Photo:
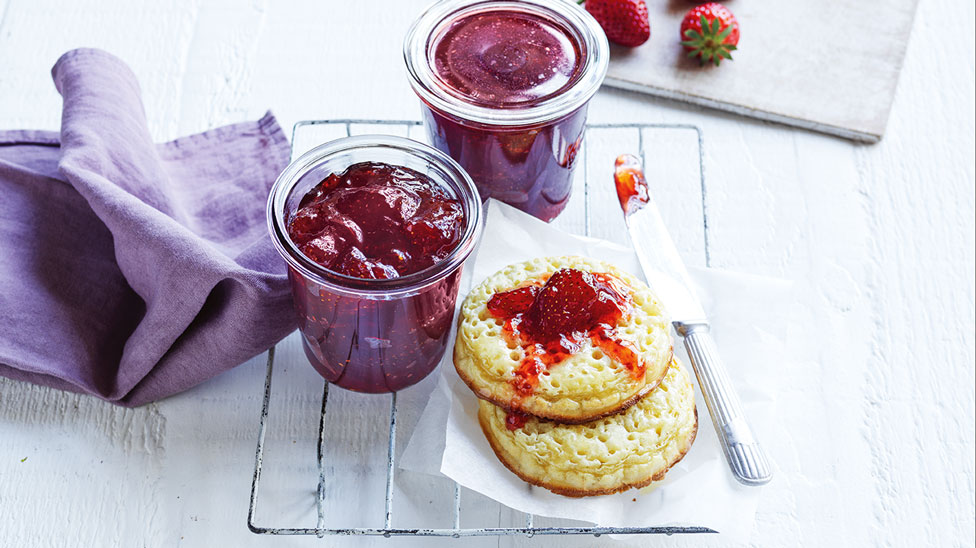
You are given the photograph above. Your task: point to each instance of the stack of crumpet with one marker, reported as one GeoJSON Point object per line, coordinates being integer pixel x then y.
{"type": "Point", "coordinates": [580, 390]}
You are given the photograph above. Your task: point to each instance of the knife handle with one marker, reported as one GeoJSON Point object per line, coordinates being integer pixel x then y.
{"type": "Point", "coordinates": [745, 456]}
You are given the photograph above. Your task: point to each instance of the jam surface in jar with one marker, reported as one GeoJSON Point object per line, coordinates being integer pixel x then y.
{"type": "Point", "coordinates": [552, 321]}
{"type": "Point", "coordinates": [505, 58]}
{"type": "Point", "coordinates": [376, 221]}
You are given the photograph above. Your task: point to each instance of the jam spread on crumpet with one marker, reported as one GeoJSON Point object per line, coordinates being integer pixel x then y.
{"type": "Point", "coordinates": [552, 321]}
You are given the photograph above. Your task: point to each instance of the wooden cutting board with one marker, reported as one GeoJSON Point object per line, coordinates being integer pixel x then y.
{"type": "Point", "coordinates": [830, 66]}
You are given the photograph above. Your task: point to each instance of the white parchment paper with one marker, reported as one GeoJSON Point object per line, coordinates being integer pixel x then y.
{"type": "Point", "coordinates": [747, 315]}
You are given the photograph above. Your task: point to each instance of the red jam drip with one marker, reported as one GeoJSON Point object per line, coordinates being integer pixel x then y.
{"type": "Point", "coordinates": [506, 58]}
{"type": "Point", "coordinates": [515, 420]}
{"type": "Point", "coordinates": [630, 182]}
{"type": "Point", "coordinates": [552, 322]}
{"type": "Point", "coordinates": [376, 221]}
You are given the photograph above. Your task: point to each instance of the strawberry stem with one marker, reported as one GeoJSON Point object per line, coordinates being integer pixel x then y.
{"type": "Point", "coordinates": [708, 45]}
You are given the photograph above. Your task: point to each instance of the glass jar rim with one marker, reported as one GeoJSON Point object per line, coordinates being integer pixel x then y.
{"type": "Point", "coordinates": [425, 82]}
{"type": "Point", "coordinates": [376, 288]}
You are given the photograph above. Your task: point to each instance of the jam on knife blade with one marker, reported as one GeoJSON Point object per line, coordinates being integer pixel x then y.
{"type": "Point", "coordinates": [630, 182]}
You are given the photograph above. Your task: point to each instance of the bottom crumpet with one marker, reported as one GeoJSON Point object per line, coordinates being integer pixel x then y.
{"type": "Point", "coordinates": [623, 451]}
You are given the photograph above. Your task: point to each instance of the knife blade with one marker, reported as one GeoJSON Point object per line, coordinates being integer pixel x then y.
{"type": "Point", "coordinates": [668, 277]}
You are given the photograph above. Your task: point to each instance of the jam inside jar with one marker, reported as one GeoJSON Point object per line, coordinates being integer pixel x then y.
{"type": "Point", "coordinates": [530, 168]}
{"type": "Point", "coordinates": [504, 88]}
{"type": "Point", "coordinates": [373, 276]}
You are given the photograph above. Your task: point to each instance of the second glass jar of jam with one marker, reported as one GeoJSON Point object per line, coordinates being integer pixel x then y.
{"type": "Point", "coordinates": [504, 87]}
{"type": "Point", "coordinates": [375, 231]}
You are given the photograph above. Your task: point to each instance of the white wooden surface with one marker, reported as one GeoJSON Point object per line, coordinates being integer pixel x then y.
{"type": "Point", "coordinates": [876, 408]}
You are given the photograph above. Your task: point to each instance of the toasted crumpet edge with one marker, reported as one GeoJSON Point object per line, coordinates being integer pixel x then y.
{"type": "Point", "coordinates": [505, 403]}
{"type": "Point", "coordinates": [580, 493]}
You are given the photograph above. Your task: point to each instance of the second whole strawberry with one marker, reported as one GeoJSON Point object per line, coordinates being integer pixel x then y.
{"type": "Point", "coordinates": [625, 22]}
{"type": "Point", "coordinates": [710, 33]}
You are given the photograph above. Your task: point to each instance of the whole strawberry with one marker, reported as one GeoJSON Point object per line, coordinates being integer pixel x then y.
{"type": "Point", "coordinates": [710, 32]}
{"type": "Point", "coordinates": [572, 302]}
{"type": "Point", "coordinates": [624, 21]}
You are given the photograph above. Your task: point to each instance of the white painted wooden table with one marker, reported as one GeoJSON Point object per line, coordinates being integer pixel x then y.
{"type": "Point", "coordinates": [877, 404]}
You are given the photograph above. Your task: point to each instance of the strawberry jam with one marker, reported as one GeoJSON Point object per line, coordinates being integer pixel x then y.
{"type": "Point", "coordinates": [510, 59]}
{"type": "Point", "coordinates": [506, 58]}
{"type": "Point", "coordinates": [553, 321]}
{"type": "Point", "coordinates": [376, 221]}
{"type": "Point", "coordinates": [530, 168]}
{"type": "Point", "coordinates": [504, 89]}
{"type": "Point", "coordinates": [515, 420]}
{"type": "Point", "coordinates": [375, 231]}
{"type": "Point", "coordinates": [630, 182]}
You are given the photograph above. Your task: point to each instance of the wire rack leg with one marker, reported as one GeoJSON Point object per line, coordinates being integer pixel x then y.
{"type": "Point", "coordinates": [390, 464]}
{"type": "Point", "coordinates": [457, 509]}
{"type": "Point", "coordinates": [259, 452]}
{"type": "Point", "coordinates": [320, 498]}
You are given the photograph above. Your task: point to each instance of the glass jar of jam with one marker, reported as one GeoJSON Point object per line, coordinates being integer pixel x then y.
{"type": "Point", "coordinates": [375, 231]}
{"type": "Point", "coordinates": [504, 87]}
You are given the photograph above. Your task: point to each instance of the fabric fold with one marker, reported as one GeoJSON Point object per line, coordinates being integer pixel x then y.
{"type": "Point", "coordinates": [154, 260]}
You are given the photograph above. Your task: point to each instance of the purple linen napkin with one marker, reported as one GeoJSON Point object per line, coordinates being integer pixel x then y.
{"type": "Point", "coordinates": [129, 270]}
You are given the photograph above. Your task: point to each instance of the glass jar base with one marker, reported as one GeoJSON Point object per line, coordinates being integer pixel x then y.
{"type": "Point", "coordinates": [356, 380]}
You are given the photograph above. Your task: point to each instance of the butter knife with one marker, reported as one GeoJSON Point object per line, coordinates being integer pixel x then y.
{"type": "Point", "coordinates": [667, 275]}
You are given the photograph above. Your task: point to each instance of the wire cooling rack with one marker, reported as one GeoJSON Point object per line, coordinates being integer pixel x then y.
{"type": "Point", "coordinates": [322, 526]}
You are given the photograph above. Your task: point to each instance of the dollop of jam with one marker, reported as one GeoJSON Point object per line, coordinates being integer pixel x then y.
{"type": "Point", "coordinates": [506, 58]}
{"type": "Point", "coordinates": [552, 321]}
{"type": "Point", "coordinates": [376, 221]}
{"type": "Point", "coordinates": [630, 182]}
